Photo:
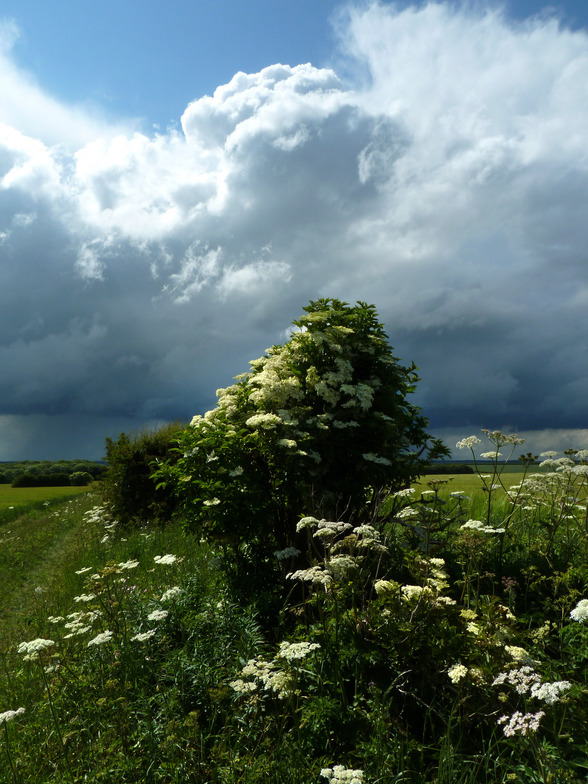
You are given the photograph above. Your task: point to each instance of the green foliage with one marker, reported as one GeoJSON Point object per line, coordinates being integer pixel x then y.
{"type": "Point", "coordinates": [80, 478]}
{"type": "Point", "coordinates": [320, 425]}
{"type": "Point", "coordinates": [35, 479]}
{"type": "Point", "coordinates": [403, 654]}
{"type": "Point", "coordinates": [127, 486]}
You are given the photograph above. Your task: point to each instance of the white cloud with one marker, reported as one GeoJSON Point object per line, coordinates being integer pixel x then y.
{"type": "Point", "coordinates": [450, 188]}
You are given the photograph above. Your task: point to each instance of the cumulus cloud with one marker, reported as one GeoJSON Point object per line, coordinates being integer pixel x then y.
{"type": "Point", "coordinates": [445, 179]}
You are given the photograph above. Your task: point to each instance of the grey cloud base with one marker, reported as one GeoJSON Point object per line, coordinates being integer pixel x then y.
{"type": "Point", "coordinates": [138, 274]}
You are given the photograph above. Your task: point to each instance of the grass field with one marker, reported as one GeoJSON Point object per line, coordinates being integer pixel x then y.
{"type": "Point", "coordinates": [23, 496]}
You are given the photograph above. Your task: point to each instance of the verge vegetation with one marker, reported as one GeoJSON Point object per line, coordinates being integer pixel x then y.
{"type": "Point", "coordinates": [419, 632]}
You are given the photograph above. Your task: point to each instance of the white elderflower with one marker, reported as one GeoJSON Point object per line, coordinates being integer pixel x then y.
{"type": "Point", "coordinates": [580, 611]}
{"type": "Point", "coordinates": [212, 502]}
{"type": "Point", "coordinates": [165, 560]}
{"type": "Point", "coordinates": [289, 443]}
{"type": "Point", "coordinates": [264, 421]}
{"type": "Point", "coordinates": [468, 443]}
{"type": "Point", "coordinates": [518, 654]}
{"type": "Point", "coordinates": [405, 492]}
{"type": "Point", "coordinates": [100, 639]}
{"type": "Point", "coordinates": [243, 687]}
{"type": "Point", "coordinates": [306, 522]}
{"type": "Point", "coordinates": [382, 587]}
{"type": "Point", "coordinates": [457, 673]}
{"type": "Point", "coordinates": [143, 636]}
{"type": "Point", "coordinates": [314, 575]}
{"type": "Point", "coordinates": [84, 597]}
{"type": "Point", "coordinates": [171, 593]}
{"type": "Point", "coordinates": [34, 647]}
{"type": "Point", "coordinates": [549, 692]}
{"type": "Point", "coordinates": [339, 774]}
{"type": "Point", "coordinates": [9, 715]}
{"type": "Point", "coordinates": [129, 565]}
{"type": "Point", "coordinates": [296, 650]}
{"type": "Point", "coordinates": [236, 471]}
{"type": "Point", "coordinates": [521, 724]}
{"type": "Point", "coordinates": [157, 615]}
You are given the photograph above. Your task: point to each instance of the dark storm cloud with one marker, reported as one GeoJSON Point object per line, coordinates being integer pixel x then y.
{"type": "Point", "coordinates": [139, 273]}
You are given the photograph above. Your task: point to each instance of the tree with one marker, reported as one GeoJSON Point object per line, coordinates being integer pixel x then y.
{"type": "Point", "coordinates": [318, 426]}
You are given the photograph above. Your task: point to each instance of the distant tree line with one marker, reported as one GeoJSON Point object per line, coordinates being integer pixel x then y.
{"type": "Point", "coordinates": [48, 473]}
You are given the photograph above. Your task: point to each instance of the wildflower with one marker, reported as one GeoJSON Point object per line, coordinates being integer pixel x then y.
{"type": "Point", "coordinates": [339, 774]}
{"type": "Point", "coordinates": [410, 592]}
{"type": "Point", "coordinates": [490, 455]}
{"type": "Point", "coordinates": [265, 421]}
{"type": "Point", "coordinates": [171, 593]}
{"type": "Point", "coordinates": [9, 715]}
{"type": "Point", "coordinates": [101, 638]}
{"type": "Point", "coordinates": [580, 611]}
{"type": "Point", "coordinates": [296, 650]}
{"type": "Point", "coordinates": [519, 723]}
{"type": "Point", "coordinates": [84, 597]}
{"type": "Point", "coordinates": [518, 654]}
{"type": "Point", "coordinates": [157, 615]}
{"type": "Point", "coordinates": [165, 560]}
{"type": "Point", "coordinates": [143, 636]}
{"type": "Point", "coordinates": [306, 522]}
{"type": "Point", "coordinates": [243, 687]}
{"type": "Point", "coordinates": [457, 673]}
{"type": "Point", "coordinates": [549, 692]}
{"type": "Point", "coordinates": [236, 471]}
{"type": "Point", "coordinates": [55, 618]}
{"type": "Point", "coordinates": [34, 647]}
{"type": "Point", "coordinates": [129, 564]}
{"type": "Point", "coordinates": [288, 443]}
{"type": "Point", "coordinates": [212, 502]}
{"type": "Point", "coordinates": [403, 493]}
{"type": "Point", "coordinates": [468, 443]}
{"type": "Point", "coordinates": [314, 575]}
{"type": "Point", "coordinates": [84, 570]}
{"type": "Point", "coordinates": [522, 679]}
{"type": "Point", "coordinates": [383, 587]}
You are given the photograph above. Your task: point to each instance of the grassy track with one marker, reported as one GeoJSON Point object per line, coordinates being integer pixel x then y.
{"type": "Point", "coordinates": [35, 549]}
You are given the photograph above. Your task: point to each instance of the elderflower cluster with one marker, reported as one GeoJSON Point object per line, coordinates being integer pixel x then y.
{"type": "Point", "coordinates": [580, 611]}
{"type": "Point", "coordinates": [9, 715]}
{"type": "Point", "coordinates": [457, 673]}
{"type": "Point", "coordinates": [339, 774]}
{"type": "Point", "coordinates": [34, 647]}
{"type": "Point", "coordinates": [526, 681]}
{"type": "Point", "coordinates": [296, 650]}
{"type": "Point", "coordinates": [266, 675]}
{"type": "Point", "coordinates": [520, 724]}
{"type": "Point", "coordinates": [478, 525]}
{"type": "Point", "coordinates": [165, 560]}
{"type": "Point", "coordinates": [100, 639]}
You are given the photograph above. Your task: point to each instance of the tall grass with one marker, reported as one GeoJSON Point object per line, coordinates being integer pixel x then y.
{"type": "Point", "coordinates": [411, 649]}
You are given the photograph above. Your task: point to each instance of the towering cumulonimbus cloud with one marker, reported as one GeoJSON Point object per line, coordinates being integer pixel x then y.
{"type": "Point", "coordinates": [438, 169]}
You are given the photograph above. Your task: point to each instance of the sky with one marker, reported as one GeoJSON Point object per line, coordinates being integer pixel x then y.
{"type": "Point", "coordinates": [178, 180]}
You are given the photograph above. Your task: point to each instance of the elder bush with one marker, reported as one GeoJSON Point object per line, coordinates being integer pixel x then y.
{"type": "Point", "coordinates": [321, 425]}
